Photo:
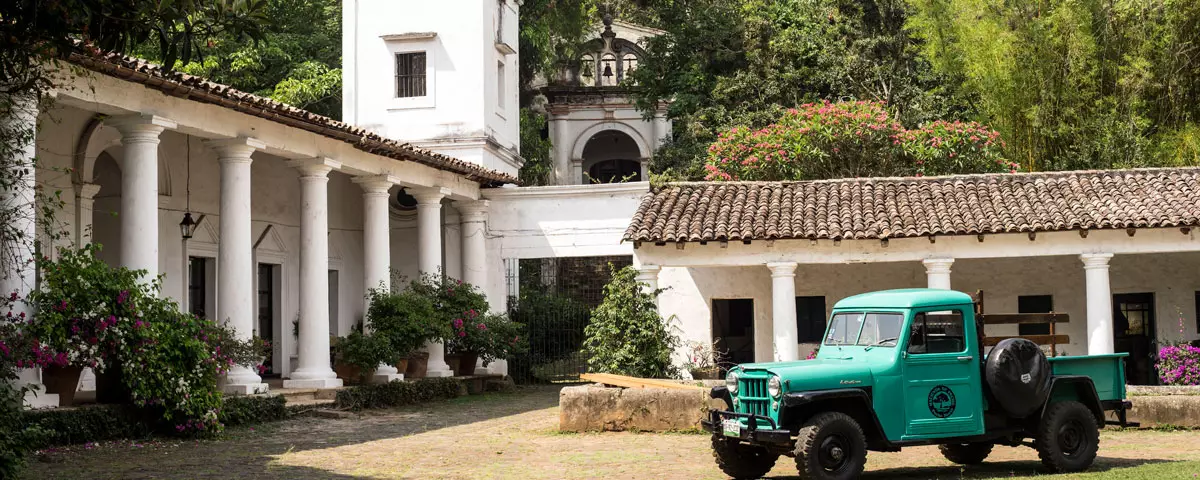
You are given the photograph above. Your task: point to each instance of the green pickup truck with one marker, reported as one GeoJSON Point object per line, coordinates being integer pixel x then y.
{"type": "Point", "coordinates": [902, 368]}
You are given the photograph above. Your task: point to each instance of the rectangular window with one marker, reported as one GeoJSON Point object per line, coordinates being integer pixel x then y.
{"type": "Point", "coordinates": [936, 332]}
{"type": "Point", "coordinates": [810, 319]}
{"type": "Point", "coordinates": [410, 74]}
{"type": "Point", "coordinates": [1034, 304]}
{"type": "Point", "coordinates": [881, 330]}
{"type": "Point", "coordinates": [500, 85]}
{"type": "Point", "coordinates": [197, 285]}
{"type": "Point", "coordinates": [844, 329]}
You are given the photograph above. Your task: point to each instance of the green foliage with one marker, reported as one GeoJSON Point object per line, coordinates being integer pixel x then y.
{"type": "Point", "coordinates": [92, 423]}
{"type": "Point", "coordinates": [1074, 84]}
{"type": "Point", "coordinates": [554, 323]}
{"type": "Point", "coordinates": [19, 437]}
{"type": "Point", "coordinates": [396, 393]}
{"type": "Point", "coordinates": [407, 319]}
{"type": "Point", "coordinates": [253, 409]}
{"type": "Point", "coordinates": [627, 336]}
{"type": "Point", "coordinates": [366, 351]}
{"type": "Point", "coordinates": [535, 148]}
{"type": "Point", "coordinates": [851, 139]}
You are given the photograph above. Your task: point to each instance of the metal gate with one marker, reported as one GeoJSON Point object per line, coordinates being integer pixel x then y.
{"type": "Point", "coordinates": [553, 298]}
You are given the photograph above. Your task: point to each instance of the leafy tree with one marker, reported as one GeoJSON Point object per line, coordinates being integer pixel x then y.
{"type": "Point", "coordinates": [626, 335]}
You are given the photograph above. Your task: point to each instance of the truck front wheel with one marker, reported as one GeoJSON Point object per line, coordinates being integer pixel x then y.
{"type": "Point", "coordinates": [742, 461]}
{"type": "Point", "coordinates": [831, 446]}
{"type": "Point", "coordinates": [966, 453]}
{"type": "Point", "coordinates": [1068, 437]}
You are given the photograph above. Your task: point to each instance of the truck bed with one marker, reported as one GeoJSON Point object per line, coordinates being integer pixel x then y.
{"type": "Point", "coordinates": [1106, 371]}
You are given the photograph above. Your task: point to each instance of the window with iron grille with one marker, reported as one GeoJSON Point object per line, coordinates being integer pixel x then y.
{"type": "Point", "coordinates": [410, 74]}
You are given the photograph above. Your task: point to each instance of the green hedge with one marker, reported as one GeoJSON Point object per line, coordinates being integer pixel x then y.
{"type": "Point", "coordinates": [90, 424]}
{"type": "Point", "coordinates": [396, 393]}
{"type": "Point", "coordinates": [252, 410]}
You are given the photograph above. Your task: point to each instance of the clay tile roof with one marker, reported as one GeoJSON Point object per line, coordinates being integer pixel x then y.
{"type": "Point", "coordinates": [878, 208]}
{"type": "Point", "coordinates": [198, 89]}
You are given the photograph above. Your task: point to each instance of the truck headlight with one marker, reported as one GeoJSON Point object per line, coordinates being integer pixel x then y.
{"type": "Point", "coordinates": [731, 382]}
{"type": "Point", "coordinates": [774, 388]}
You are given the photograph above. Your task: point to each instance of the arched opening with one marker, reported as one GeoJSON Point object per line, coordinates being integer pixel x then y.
{"type": "Point", "coordinates": [106, 226]}
{"type": "Point", "coordinates": [587, 71]}
{"type": "Point", "coordinates": [629, 63]}
{"type": "Point", "coordinates": [611, 156]}
{"type": "Point", "coordinates": [608, 70]}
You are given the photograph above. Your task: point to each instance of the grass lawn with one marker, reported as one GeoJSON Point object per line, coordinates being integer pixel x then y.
{"type": "Point", "coordinates": [513, 436]}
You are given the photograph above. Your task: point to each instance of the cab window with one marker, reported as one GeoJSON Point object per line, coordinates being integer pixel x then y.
{"type": "Point", "coordinates": [843, 329]}
{"type": "Point", "coordinates": [881, 329]}
{"type": "Point", "coordinates": [937, 332]}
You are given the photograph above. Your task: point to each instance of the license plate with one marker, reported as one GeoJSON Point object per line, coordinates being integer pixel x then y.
{"type": "Point", "coordinates": [732, 427]}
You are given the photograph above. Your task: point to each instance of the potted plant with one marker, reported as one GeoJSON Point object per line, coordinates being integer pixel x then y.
{"type": "Point", "coordinates": [408, 319]}
{"type": "Point", "coordinates": [359, 354]}
{"type": "Point", "coordinates": [702, 360]}
{"type": "Point", "coordinates": [486, 337]}
{"type": "Point", "coordinates": [456, 304]}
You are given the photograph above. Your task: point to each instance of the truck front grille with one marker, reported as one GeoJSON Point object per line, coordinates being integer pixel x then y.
{"type": "Point", "coordinates": [753, 397]}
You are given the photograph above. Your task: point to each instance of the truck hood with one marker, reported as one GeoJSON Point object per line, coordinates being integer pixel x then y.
{"type": "Point", "coordinates": [819, 374]}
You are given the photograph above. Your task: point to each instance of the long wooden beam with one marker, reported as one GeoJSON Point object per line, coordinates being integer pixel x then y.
{"type": "Point", "coordinates": [634, 382]}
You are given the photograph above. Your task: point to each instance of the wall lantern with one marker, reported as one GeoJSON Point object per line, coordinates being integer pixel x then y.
{"type": "Point", "coordinates": [188, 226]}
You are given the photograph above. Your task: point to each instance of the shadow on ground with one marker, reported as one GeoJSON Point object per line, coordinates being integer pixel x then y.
{"type": "Point", "coordinates": [250, 452]}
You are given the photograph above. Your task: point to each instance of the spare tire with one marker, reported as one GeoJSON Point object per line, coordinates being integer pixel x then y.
{"type": "Point", "coordinates": [1018, 375]}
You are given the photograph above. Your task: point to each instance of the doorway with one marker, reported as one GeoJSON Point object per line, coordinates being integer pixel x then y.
{"type": "Point", "coordinates": [267, 308]}
{"type": "Point", "coordinates": [1134, 333]}
{"type": "Point", "coordinates": [733, 331]}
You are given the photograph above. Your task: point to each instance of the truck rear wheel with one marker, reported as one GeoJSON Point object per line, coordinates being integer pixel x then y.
{"type": "Point", "coordinates": [1068, 437]}
{"type": "Point", "coordinates": [831, 446]}
{"type": "Point", "coordinates": [742, 461]}
{"type": "Point", "coordinates": [966, 453]}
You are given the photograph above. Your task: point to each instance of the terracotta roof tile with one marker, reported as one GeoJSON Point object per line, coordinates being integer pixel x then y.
{"type": "Point", "coordinates": [195, 88]}
{"type": "Point", "coordinates": [876, 208]}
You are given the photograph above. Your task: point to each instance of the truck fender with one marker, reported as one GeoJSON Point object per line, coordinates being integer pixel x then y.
{"type": "Point", "coordinates": [722, 393]}
{"type": "Point", "coordinates": [853, 401]}
{"type": "Point", "coordinates": [1083, 388]}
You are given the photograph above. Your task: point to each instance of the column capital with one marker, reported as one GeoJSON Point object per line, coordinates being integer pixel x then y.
{"type": "Point", "coordinates": [474, 211]}
{"type": "Point", "coordinates": [315, 167]}
{"type": "Point", "coordinates": [429, 195]}
{"type": "Point", "coordinates": [375, 184]}
{"type": "Point", "coordinates": [140, 127]}
{"type": "Point", "coordinates": [86, 191]}
{"type": "Point", "coordinates": [782, 269]}
{"type": "Point", "coordinates": [649, 270]}
{"type": "Point", "coordinates": [235, 149]}
{"type": "Point", "coordinates": [938, 265]}
{"type": "Point", "coordinates": [1095, 260]}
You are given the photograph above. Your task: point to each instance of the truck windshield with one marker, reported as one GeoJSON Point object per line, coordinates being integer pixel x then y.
{"type": "Point", "coordinates": [877, 329]}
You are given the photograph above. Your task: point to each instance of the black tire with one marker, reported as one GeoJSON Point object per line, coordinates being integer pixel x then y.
{"type": "Point", "coordinates": [966, 453]}
{"type": "Point", "coordinates": [740, 461]}
{"type": "Point", "coordinates": [1068, 437]}
{"type": "Point", "coordinates": [1017, 375]}
{"type": "Point", "coordinates": [831, 446]}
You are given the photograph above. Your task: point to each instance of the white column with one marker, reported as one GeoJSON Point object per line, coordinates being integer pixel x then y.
{"type": "Point", "coordinates": [314, 370]}
{"type": "Point", "coordinates": [377, 256]}
{"type": "Point", "coordinates": [648, 277]}
{"type": "Point", "coordinates": [560, 148]}
{"type": "Point", "coordinates": [937, 271]}
{"type": "Point", "coordinates": [661, 129]}
{"type": "Point", "coordinates": [1099, 303]}
{"type": "Point", "coordinates": [85, 202]}
{"type": "Point", "coordinates": [429, 260]}
{"type": "Point", "coordinates": [783, 310]}
{"type": "Point", "coordinates": [18, 202]}
{"type": "Point", "coordinates": [139, 191]}
{"type": "Point", "coordinates": [473, 222]}
{"type": "Point", "coordinates": [235, 264]}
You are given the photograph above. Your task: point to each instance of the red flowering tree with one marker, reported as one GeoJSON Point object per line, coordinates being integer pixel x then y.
{"type": "Point", "coordinates": [852, 139]}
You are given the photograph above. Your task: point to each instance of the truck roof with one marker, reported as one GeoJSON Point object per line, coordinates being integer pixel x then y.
{"type": "Point", "coordinates": [906, 298]}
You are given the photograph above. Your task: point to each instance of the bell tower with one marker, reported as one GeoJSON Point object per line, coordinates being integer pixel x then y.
{"type": "Point", "coordinates": [441, 75]}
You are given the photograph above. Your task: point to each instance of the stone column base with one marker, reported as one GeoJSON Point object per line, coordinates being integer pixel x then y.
{"type": "Point", "coordinates": [40, 399]}
{"type": "Point", "coordinates": [313, 383]}
{"type": "Point", "coordinates": [245, 388]}
{"type": "Point", "coordinates": [387, 377]}
{"type": "Point", "coordinates": [439, 373]}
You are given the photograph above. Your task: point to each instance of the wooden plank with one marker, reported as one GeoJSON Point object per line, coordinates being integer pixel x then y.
{"type": "Point", "coordinates": [1013, 318]}
{"type": "Point", "coordinates": [634, 382]}
{"type": "Point", "coordinates": [1038, 339]}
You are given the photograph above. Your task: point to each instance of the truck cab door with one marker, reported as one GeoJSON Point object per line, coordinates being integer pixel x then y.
{"type": "Point", "coordinates": [942, 390]}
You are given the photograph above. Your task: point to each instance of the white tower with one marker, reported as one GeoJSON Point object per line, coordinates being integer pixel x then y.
{"type": "Point", "coordinates": [441, 75]}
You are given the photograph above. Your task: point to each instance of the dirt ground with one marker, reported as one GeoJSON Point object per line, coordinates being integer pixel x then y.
{"type": "Point", "coordinates": [513, 436]}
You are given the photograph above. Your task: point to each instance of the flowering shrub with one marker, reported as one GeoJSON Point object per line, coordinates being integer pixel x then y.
{"type": "Point", "coordinates": [491, 336]}
{"type": "Point", "coordinates": [407, 319]}
{"type": "Point", "coordinates": [851, 139]}
{"type": "Point", "coordinates": [1179, 365]}
{"type": "Point", "coordinates": [813, 354]}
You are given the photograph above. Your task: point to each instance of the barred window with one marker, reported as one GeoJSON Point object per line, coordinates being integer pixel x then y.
{"type": "Point", "coordinates": [410, 74]}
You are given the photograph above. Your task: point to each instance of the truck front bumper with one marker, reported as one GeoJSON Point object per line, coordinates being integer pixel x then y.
{"type": "Point", "coordinates": [749, 433]}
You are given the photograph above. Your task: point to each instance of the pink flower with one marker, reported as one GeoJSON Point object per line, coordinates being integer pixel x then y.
{"type": "Point", "coordinates": [482, 326]}
{"type": "Point", "coordinates": [462, 333]}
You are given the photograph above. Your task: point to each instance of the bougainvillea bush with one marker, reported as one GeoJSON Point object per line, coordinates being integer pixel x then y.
{"type": "Point", "coordinates": [1179, 365]}
{"type": "Point", "coordinates": [94, 315]}
{"type": "Point", "coordinates": [852, 139]}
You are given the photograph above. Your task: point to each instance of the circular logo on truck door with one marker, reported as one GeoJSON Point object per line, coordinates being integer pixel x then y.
{"type": "Point", "coordinates": [941, 401]}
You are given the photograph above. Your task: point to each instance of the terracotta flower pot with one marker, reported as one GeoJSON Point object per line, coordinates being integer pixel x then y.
{"type": "Point", "coordinates": [402, 366]}
{"type": "Point", "coordinates": [350, 374]}
{"type": "Point", "coordinates": [706, 374]}
{"type": "Point", "coordinates": [418, 363]}
{"type": "Point", "coordinates": [466, 364]}
{"type": "Point", "coordinates": [63, 381]}
{"type": "Point", "coordinates": [453, 361]}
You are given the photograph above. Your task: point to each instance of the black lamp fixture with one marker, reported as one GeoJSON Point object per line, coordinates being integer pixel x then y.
{"type": "Point", "coordinates": [188, 226]}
